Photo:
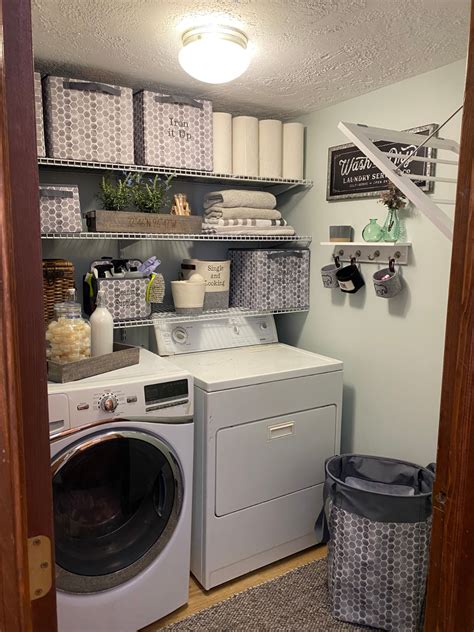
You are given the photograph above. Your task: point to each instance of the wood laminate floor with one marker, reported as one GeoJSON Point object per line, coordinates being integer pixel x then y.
{"type": "Point", "coordinates": [200, 598]}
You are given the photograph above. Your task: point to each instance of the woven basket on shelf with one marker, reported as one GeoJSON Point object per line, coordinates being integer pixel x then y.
{"type": "Point", "coordinates": [58, 278]}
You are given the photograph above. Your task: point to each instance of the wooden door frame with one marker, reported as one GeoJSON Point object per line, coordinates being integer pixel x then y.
{"type": "Point", "coordinates": [450, 600]}
{"type": "Point", "coordinates": [25, 477]}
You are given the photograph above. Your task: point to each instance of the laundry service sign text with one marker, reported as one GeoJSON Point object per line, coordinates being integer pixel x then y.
{"type": "Point", "coordinates": [352, 175]}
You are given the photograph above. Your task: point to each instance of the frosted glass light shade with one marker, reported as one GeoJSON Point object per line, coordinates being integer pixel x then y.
{"type": "Point", "coordinates": [214, 54]}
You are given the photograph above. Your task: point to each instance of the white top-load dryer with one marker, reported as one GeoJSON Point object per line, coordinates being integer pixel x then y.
{"type": "Point", "coordinates": [267, 416]}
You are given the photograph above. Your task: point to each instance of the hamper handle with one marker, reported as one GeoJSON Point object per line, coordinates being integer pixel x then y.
{"type": "Point", "coordinates": [62, 193]}
{"type": "Point", "coordinates": [285, 253]}
{"type": "Point", "coordinates": [179, 100]}
{"type": "Point", "coordinates": [91, 86]}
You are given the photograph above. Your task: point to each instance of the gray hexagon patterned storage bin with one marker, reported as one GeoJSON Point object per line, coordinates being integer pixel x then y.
{"type": "Point", "coordinates": [379, 526]}
{"type": "Point", "coordinates": [125, 298]}
{"type": "Point", "coordinates": [173, 131]}
{"type": "Point", "coordinates": [40, 146]}
{"type": "Point", "coordinates": [269, 279]}
{"type": "Point", "coordinates": [60, 209]}
{"type": "Point", "coordinates": [87, 120]}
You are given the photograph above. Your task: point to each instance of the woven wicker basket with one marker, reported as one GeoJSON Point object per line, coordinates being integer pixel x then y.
{"type": "Point", "coordinates": [58, 278]}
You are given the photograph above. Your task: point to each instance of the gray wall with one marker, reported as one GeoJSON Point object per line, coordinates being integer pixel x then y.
{"type": "Point", "coordinates": [392, 350]}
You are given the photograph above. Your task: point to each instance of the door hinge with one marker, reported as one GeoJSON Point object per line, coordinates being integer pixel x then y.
{"type": "Point", "coordinates": [39, 566]}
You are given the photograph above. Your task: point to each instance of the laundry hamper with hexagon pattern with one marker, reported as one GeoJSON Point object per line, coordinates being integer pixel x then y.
{"type": "Point", "coordinates": [378, 512]}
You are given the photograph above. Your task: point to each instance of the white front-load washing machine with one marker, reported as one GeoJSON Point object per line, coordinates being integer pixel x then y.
{"type": "Point", "coordinates": [122, 461]}
{"type": "Point", "coordinates": [267, 416]}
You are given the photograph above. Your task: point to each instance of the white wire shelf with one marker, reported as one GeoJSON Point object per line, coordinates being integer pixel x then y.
{"type": "Point", "coordinates": [177, 237]}
{"type": "Point", "coordinates": [169, 314]}
{"type": "Point", "coordinates": [280, 184]}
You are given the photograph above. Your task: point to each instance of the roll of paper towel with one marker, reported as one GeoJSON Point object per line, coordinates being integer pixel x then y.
{"type": "Point", "coordinates": [245, 146]}
{"type": "Point", "coordinates": [293, 150]}
{"type": "Point", "coordinates": [270, 145]}
{"type": "Point", "coordinates": [222, 135]}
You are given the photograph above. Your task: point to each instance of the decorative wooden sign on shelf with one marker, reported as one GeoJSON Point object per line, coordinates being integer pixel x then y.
{"type": "Point", "coordinates": [129, 222]}
{"type": "Point", "coordinates": [352, 175]}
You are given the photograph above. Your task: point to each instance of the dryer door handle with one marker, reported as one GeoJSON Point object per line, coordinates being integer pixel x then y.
{"type": "Point", "coordinates": [281, 430]}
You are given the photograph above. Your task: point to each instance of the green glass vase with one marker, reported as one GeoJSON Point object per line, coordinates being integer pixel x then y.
{"type": "Point", "coordinates": [391, 227]}
{"type": "Point", "coordinates": [373, 231]}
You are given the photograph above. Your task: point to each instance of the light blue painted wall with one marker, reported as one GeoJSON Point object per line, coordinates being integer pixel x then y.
{"type": "Point", "coordinates": [392, 350]}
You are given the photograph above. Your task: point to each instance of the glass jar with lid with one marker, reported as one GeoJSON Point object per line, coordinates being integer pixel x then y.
{"type": "Point", "coordinates": [68, 336]}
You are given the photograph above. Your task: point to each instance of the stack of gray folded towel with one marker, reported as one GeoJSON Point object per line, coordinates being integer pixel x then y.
{"type": "Point", "coordinates": [243, 212]}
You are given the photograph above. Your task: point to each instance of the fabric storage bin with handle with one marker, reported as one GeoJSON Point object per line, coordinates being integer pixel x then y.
{"type": "Point", "coordinates": [87, 120]}
{"type": "Point", "coordinates": [60, 209]}
{"type": "Point", "coordinates": [270, 278]}
{"type": "Point", "coordinates": [40, 146]}
{"type": "Point", "coordinates": [126, 299]}
{"type": "Point", "coordinates": [379, 517]}
{"type": "Point", "coordinates": [173, 131]}
{"type": "Point", "coordinates": [58, 278]}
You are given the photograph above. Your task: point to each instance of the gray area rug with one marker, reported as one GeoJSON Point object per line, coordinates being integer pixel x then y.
{"type": "Point", "coordinates": [298, 600]}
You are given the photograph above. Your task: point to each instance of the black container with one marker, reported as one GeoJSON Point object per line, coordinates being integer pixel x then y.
{"type": "Point", "coordinates": [350, 279]}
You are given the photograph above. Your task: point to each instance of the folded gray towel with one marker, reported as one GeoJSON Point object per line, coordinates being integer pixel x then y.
{"type": "Point", "coordinates": [263, 223]}
{"type": "Point", "coordinates": [232, 198]}
{"type": "Point", "coordinates": [212, 229]}
{"type": "Point", "coordinates": [241, 212]}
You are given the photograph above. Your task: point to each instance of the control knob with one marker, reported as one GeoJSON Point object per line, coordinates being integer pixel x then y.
{"type": "Point", "coordinates": [108, 403]}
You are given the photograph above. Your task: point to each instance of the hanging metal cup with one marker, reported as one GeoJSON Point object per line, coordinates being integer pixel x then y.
{"type": "Point", "coordinates": [328, 274]}
{"type": "Point", "coordinates": [387, 282]}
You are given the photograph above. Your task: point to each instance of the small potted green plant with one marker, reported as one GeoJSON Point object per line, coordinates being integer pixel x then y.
{"type": "Point", "coordinates": [134, 203]}
{"type": "Point", "coordinates": [394, 200]}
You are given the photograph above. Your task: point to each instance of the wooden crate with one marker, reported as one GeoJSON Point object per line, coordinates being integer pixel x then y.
{"type": "Point", "coordinates": [129, 222]}
{"type": "Point", "coordinates": [122, 356]}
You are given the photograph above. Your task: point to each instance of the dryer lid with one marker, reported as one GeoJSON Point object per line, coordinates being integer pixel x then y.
{"type": "Point", "coordinates": [246, 366]}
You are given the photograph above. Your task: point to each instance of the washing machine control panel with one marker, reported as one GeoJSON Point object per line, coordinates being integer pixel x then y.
{"type": "Point", "coordinates": [79, 406]}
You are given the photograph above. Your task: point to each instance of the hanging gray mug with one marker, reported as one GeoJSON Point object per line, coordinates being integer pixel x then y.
{"type": "Point", "coordinates": [387, 282]}
{"type": "Point", "coordinates": [328, 274]}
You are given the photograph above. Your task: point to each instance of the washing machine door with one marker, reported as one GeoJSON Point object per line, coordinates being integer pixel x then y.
{"type": "Point", "coordinates": [117, 498]}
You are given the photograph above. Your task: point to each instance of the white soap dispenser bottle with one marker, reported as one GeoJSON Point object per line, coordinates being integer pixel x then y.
{"type": "Point", "coordinates": [102, 328]}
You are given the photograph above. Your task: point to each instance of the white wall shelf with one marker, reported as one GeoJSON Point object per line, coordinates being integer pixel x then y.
{"type": "Point", "coordinates": [370, 252]}
{"type": "Point", "coordinates": [168, 313]}
{"type": "Point", "coordinates": [178, 237]}
{"type": "Point", "coordinates": [276, 185]}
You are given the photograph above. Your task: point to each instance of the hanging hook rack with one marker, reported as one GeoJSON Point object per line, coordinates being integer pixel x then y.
{"type": "Point", "coordinates": [370, 252]}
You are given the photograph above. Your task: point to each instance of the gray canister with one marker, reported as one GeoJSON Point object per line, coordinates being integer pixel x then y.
{"type": "Point", "coordinates": [387, 282]}
{"type": "Point", "coordinates": [217, 277]}
{"type": "Point", "coordinates": [328, 275]}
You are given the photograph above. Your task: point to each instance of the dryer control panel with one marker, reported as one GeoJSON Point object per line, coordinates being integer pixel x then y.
{"type": "Point", "coordinates": [216, 333]}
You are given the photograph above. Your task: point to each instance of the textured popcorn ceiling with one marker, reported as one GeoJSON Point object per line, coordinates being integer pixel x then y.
{"type": "Point", "coordinates": [307, 54]}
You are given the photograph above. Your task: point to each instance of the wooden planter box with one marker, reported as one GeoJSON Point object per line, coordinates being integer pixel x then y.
{"type": "Point", "coordinates": [129, 222]}
{"type": "Point", "coordinates": [122, 356]}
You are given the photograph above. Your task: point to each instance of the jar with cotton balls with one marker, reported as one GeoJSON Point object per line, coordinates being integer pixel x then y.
{"type": "Point", "coordinates": [68, 336]}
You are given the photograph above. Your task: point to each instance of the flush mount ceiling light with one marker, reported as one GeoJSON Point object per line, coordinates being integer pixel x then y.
{"type": "Point", "coordinates": [214, 54]}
